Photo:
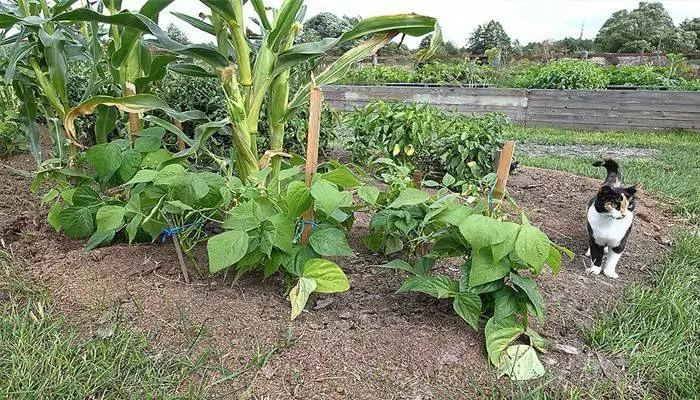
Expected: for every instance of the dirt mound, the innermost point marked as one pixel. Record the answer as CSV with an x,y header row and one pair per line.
x,y
367,343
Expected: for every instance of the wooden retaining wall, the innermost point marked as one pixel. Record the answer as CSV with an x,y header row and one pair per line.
x,y
605,110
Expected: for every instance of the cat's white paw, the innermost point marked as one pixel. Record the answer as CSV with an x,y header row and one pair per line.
x,y
611,274
593,270
588,252
605,250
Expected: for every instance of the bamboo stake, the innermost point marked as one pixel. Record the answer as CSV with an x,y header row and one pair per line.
x,y
311,153
503,171
133,117
180,258
180,142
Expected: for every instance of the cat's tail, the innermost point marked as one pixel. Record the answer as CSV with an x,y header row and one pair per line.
x,y
614,178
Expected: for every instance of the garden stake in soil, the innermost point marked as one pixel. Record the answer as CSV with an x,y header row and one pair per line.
x,y
133,117
180,143
503,170
311,153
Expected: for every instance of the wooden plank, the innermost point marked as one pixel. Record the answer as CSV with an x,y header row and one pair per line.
x,y
601,126
614,94
606,120
613,113
689,108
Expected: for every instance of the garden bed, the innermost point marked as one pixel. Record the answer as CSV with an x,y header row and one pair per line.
x,y
367,343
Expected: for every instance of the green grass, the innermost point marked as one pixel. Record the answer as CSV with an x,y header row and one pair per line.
x,y
656,327
42,356
671,174
659,329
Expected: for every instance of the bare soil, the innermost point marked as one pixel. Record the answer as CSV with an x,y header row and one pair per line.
x,y
367,343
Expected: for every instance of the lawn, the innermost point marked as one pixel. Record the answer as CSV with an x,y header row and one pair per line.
x,y
656,326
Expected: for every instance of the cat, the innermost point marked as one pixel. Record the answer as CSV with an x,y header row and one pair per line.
x,y
610,216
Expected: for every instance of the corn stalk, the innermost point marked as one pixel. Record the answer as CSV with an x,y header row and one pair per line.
x,y
248,82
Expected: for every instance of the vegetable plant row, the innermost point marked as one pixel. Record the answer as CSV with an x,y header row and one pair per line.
x,y
131,174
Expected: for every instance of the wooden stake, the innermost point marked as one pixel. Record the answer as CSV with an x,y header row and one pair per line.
x,y
504,160
311,153
133,117
180,258
180,142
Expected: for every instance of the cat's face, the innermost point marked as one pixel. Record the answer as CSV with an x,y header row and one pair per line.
x,y
619,202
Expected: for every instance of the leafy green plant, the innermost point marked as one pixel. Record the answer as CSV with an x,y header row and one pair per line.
x,y
377,75
499,262
12,139
570,74
426,138
262,231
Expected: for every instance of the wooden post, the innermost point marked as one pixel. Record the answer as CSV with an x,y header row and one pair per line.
x,y
180,142
311,153
504,160
133,117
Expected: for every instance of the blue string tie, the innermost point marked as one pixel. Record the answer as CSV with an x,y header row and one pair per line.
x,y
300,228
170,232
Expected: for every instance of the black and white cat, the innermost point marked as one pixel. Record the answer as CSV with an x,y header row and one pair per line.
x,y
610,215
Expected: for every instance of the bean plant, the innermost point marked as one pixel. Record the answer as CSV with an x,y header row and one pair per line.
x,y
499,260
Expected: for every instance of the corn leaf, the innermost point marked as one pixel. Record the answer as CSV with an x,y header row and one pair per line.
x,y
191,70
139,103
140,22
196,22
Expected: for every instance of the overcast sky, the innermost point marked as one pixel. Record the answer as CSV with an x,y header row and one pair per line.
x,y
525,20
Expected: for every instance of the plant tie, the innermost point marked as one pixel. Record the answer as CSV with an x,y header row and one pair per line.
x,y
171,231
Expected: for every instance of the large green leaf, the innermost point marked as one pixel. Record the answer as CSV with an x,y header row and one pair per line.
x,y
226,249
440,286
500,333
298,199
370,194
506,302
409,197
529,286
245,216
284,232
532,246
468,306
485,269
77,222
149,140
105,158
342,176
139,103
299,295
109,218
520,362
99,239
328,197
327,274
330,241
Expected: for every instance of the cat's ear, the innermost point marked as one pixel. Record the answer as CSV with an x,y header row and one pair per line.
x,y
606,190
631,191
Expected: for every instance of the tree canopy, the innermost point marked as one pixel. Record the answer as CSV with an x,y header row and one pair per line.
x,y
648,27
487,36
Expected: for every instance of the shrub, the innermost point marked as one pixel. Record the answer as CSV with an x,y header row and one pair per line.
x,y
425,137
378,75
570,74
12,138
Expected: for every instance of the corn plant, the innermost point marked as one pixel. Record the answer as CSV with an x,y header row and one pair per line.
x,y
247,80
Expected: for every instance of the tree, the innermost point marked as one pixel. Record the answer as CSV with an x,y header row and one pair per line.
x,y
177,34
488,36
648,27
329,25
692,25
